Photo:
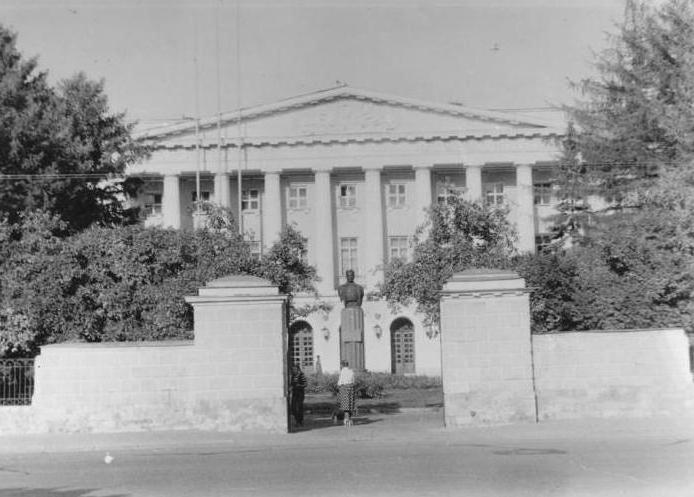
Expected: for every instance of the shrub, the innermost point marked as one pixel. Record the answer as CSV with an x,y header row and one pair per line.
x,y
120,284
370,385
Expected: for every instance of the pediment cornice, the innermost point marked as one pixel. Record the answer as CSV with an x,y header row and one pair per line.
x,y
520,127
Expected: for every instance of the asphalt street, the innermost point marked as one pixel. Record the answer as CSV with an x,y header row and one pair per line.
x,y
404,454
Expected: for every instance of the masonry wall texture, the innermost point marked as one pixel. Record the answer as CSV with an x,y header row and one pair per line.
x,y
485,347
613,374
494,372
231,378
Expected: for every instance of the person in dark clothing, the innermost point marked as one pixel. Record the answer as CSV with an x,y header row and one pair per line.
x,y
298,387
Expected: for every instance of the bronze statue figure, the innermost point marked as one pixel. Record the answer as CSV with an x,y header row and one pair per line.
x,y
352,322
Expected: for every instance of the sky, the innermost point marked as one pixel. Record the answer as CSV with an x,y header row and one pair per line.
x,y
166,59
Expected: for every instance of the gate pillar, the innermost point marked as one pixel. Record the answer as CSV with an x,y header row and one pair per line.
x,y
486,363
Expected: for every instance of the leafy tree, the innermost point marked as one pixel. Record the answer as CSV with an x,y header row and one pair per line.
x,y
636,120
122,283
458,235
60,148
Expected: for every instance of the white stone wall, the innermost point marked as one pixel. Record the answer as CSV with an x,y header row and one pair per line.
x,y
612,374
486,350
233,377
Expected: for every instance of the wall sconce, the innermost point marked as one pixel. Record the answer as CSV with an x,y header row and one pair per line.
x,y
431,331
378,331
326,332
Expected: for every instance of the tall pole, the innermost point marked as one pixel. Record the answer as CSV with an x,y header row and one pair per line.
x,y
197,125
220,167
238,104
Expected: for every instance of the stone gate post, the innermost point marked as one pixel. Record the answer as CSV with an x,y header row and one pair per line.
x,y
486,363
241,332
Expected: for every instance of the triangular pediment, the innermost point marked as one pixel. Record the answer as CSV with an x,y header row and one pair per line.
x,y
347,114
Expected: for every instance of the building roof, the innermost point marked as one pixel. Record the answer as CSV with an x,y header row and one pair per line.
x,y
344,114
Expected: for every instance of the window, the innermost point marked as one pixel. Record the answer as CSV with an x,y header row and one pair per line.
x,y
494,193
397,247
255,248
447,193
348,196
543,193
152,204
542,242
298,197
396,195
250,200
205,196
348,255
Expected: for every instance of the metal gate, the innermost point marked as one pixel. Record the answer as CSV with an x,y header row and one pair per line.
x,y
402,346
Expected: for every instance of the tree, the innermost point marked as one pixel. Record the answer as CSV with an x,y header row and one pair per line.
x,y
458,235
633,146
122,283
636,121
61,149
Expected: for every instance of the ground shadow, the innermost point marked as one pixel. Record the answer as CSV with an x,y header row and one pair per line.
x,y
53,492
321,421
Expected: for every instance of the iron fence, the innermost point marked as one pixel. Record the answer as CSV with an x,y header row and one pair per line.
x,y
16,382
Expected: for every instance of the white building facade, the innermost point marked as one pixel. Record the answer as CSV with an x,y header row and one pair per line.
x,y
354,171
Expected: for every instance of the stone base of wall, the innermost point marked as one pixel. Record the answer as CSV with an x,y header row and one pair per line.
x,y
267,415
487,407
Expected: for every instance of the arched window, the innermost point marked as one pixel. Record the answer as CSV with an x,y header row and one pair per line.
x,y
301,345
402,346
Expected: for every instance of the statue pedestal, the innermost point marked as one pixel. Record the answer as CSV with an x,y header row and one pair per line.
x,y
352,337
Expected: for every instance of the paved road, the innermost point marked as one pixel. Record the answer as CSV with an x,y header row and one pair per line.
x,y
403,455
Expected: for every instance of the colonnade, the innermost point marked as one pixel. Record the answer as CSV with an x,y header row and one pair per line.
x,y
373,249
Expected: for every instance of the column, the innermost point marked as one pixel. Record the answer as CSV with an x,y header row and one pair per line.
x,y
222,189
422,180
525,217
473,182
373,228
323,233
272,209
171,202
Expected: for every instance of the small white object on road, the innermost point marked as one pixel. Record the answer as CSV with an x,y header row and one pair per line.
x,y
108,459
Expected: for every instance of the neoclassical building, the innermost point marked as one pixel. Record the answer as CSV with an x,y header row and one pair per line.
x,y
354,171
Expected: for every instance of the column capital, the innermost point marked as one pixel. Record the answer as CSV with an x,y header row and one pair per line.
x,y
424,166
322,169
372,167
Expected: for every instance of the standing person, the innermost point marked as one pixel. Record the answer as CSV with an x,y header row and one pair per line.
x,y
298,386
346,394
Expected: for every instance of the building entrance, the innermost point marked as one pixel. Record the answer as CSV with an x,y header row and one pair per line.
x,y
402,346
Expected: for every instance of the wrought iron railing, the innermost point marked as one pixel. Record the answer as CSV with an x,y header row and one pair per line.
x,y
16,382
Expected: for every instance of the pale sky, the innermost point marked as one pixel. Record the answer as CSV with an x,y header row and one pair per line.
x,y
498,54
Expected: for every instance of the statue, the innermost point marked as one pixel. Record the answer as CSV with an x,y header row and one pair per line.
x,y
352,322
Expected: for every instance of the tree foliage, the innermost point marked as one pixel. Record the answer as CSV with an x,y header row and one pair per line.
x,y
60,148
122,283
635,118
458,235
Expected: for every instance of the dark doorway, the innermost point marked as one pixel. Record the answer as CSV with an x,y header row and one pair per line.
x,y
402,346
301,346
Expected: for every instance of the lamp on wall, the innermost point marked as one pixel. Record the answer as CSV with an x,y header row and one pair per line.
x,y
431,330
378,331
326,332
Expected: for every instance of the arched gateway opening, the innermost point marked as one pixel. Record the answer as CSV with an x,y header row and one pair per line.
x,y
301,346
402,346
